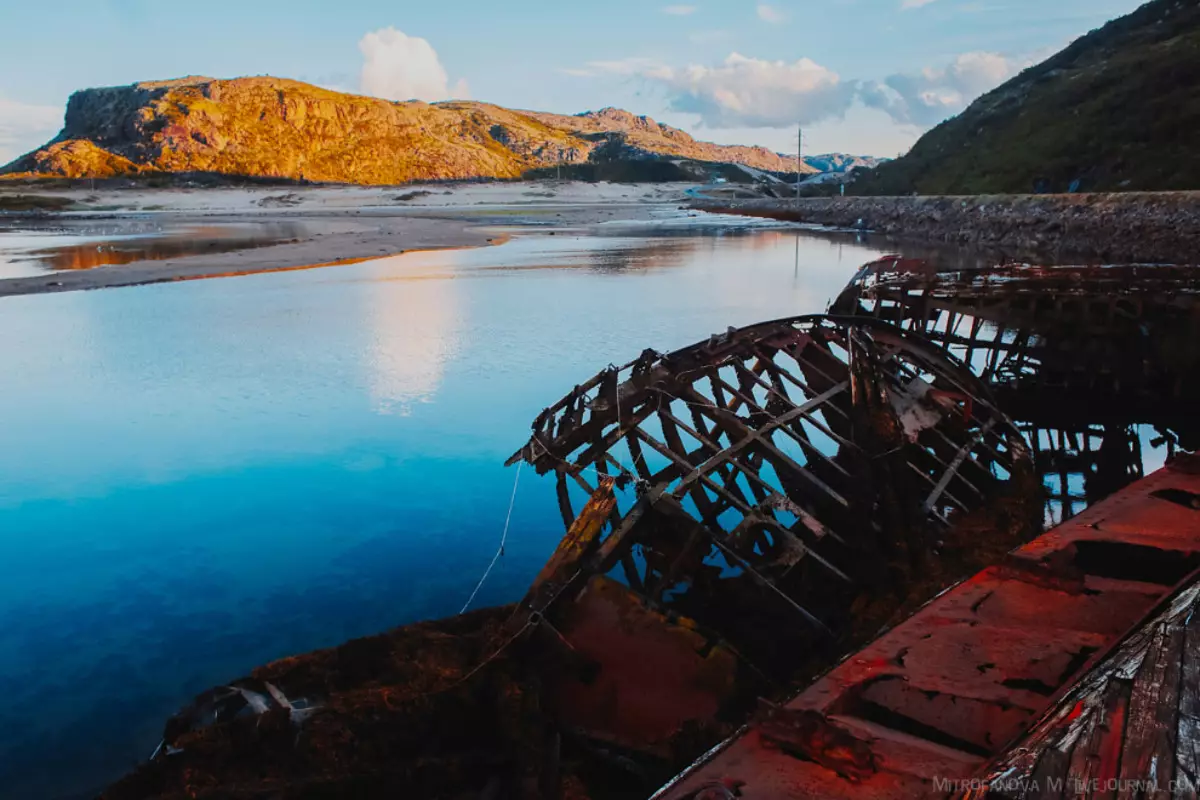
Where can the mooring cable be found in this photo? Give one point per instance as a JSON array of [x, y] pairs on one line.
[[503, 539]]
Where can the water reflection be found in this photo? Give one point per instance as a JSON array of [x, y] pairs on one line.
[[29, 250], [199, 477], [196, 478]]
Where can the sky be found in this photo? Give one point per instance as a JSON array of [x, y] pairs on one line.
[[866, 77]]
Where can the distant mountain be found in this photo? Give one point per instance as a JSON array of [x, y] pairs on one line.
[[840, 162], [1118, 109], [277, 128]]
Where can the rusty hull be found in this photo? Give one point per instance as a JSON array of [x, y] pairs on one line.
[[938, 696], [751, 509]]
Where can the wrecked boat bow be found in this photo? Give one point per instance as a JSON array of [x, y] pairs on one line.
[[740, 513], [1080, 356], [790, 465], [759, 503]]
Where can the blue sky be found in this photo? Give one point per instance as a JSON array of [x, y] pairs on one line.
[[865, 76]]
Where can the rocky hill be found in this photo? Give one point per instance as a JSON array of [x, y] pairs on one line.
[[840, 162], [1116, 110], [271, 127]]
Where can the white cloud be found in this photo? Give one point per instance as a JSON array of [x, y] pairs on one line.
[[910, 4], [931, 95], [401, 67], [679, 11], [749, 92], [770, 13], [24, 127]]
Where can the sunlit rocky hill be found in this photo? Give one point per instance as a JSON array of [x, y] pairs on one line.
[[284, 129]]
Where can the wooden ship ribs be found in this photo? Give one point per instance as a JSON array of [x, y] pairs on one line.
[[787, 481], [1079, 356]]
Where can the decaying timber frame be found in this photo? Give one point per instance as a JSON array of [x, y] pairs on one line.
[[1078, 355], [784, 476], [1121, 339]]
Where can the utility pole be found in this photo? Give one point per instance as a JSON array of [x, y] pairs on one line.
[[799, 159]]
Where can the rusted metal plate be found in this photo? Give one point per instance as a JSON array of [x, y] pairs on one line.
[[1125, 729], [646, 677], [976, 668], [1135, 535]]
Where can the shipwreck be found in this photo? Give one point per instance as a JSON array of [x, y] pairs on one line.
[[741, 516]]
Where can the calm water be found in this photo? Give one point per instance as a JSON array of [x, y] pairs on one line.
[[196, 478], [83, 244]]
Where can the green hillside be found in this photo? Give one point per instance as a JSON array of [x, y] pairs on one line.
[[1119, 109]]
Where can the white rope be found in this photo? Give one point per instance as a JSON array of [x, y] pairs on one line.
[[503, 539]]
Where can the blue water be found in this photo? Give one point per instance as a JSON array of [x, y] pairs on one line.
[[196, 478]]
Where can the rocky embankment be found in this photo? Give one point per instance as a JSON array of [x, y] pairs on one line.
[[1131, 227]]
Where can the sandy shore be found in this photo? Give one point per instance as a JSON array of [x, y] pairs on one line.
[[341, 224]]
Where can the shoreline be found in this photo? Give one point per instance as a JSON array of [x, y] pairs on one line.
[[1133, 227], [342, 225], [315, 251]]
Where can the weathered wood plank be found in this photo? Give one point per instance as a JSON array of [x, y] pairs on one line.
[[564, 496], [1100, 733], [1148, 754], [1187, 732], [578, 543], [1047, 781]]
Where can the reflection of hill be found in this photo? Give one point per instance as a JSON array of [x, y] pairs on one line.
[[675, 247], [651, 254], [195, 241], [614, 254]]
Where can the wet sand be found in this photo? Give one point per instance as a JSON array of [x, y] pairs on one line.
[[343, 224]]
